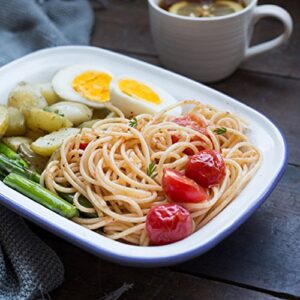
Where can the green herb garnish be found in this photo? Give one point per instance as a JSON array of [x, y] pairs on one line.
[[47, 108], [151, 169], [60, 114], [220, 130], [133, 122]]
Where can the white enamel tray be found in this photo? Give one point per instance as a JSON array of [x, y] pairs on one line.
[[42, 65]]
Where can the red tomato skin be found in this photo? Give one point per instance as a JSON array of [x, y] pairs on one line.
[[82, 146], [181, 189], [195, 123], [207, 168], [175, 139], [190, 120], [168, 223]]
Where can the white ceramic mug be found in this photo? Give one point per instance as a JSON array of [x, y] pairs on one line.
[[210, 49]]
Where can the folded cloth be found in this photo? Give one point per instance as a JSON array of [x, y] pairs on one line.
[[28, 267], [28, 25]]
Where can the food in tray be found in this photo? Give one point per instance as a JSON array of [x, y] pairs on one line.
[[134, 97], [84, 83], [202, 8], [117, 156]]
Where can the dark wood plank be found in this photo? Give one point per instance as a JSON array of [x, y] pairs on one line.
[[285, 60], [264, 252], [88, 277], [124, 26]]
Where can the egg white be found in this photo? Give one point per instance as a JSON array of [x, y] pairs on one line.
[[131, 105], [62, 83]]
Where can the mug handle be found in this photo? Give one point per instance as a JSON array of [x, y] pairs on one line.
[[275, 12]]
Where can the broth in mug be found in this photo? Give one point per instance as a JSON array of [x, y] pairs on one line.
[[202, 8]]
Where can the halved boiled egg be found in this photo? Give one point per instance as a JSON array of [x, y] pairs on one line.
[[134, 97], [85, 83]]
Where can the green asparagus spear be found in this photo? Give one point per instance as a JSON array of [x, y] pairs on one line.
[[41, 195], [11, 154], [7, 165], [83, 201], [2, 174], [67, 197]]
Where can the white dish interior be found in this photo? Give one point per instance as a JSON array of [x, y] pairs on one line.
[[42, 65]]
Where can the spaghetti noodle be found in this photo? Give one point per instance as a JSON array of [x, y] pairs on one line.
[[111, 169]]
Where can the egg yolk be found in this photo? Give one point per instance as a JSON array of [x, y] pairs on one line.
[[93, 85], [139, 90]]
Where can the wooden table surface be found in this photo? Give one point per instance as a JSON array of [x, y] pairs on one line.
[[261, 260]]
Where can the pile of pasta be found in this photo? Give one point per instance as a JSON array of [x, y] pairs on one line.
[[112, 172]]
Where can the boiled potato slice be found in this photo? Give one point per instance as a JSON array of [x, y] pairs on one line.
[[15, 141], [88, 124], [77, 113], [3, 119], [38, 119], [16, 122], [47, 144], [48, 92], [35, 134], [25, 96]]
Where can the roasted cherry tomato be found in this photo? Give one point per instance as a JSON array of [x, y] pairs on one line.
[[168, 223], [195, 123], [181, 189], [206, 167], [190, 120], [82, 146]]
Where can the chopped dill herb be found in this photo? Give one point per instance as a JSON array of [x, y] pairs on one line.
[[48, 109], [220, 130], [133, 122], [151, 169]]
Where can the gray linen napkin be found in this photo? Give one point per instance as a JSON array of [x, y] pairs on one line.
[[28, 25], [28, 268]]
